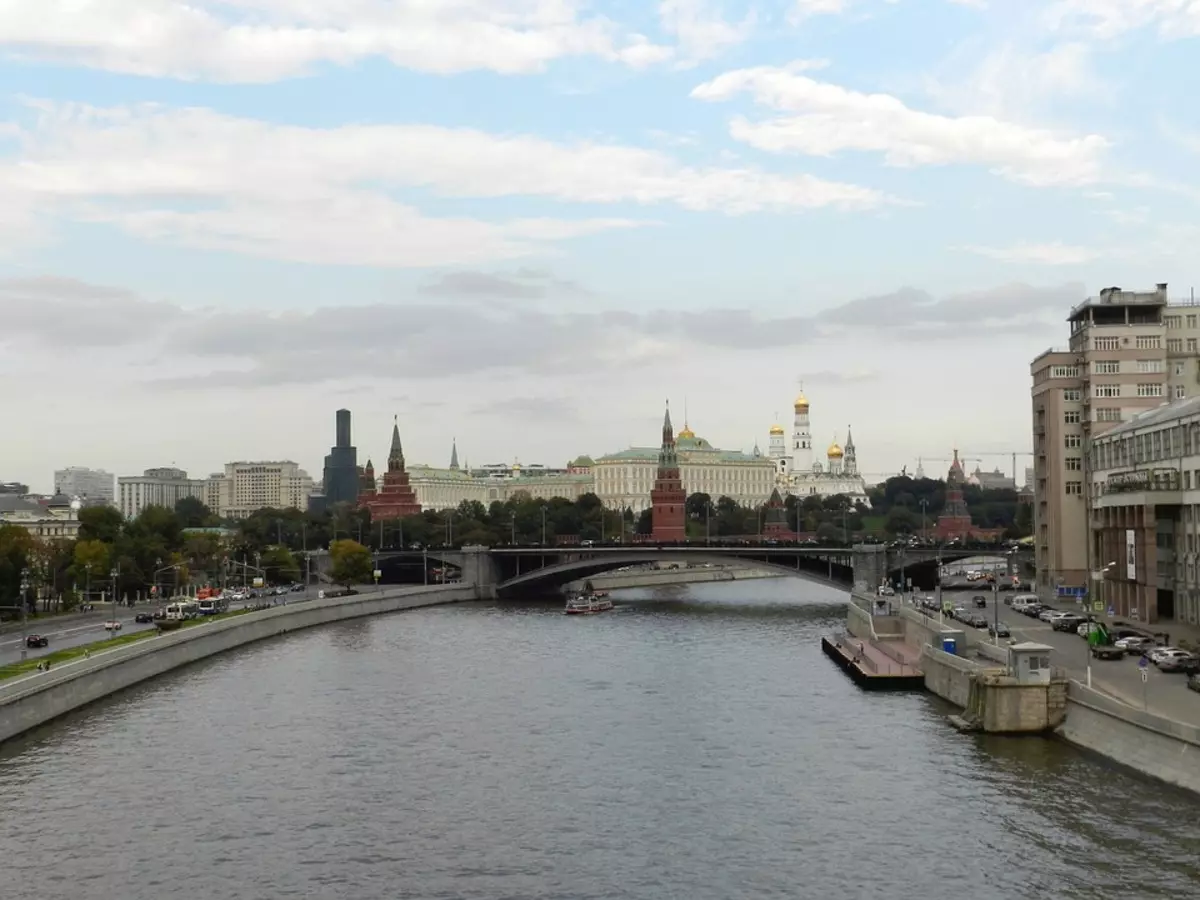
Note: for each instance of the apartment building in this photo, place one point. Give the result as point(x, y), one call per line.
point(1145, 524)
point(86, 484)
point(245, 487)
point(156, 487)
point(1128, 352)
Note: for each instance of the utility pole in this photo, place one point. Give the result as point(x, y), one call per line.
point(24, 609)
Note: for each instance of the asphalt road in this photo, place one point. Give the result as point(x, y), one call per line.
point(64, 635)
point(1164, 693)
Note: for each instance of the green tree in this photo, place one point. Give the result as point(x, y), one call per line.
point(16, 552)
point(901, 521)
point(351, 563)
point(193, 513)
point(281, 565)
point(100, 523)
point(91, 559)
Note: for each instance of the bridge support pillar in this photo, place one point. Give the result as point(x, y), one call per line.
point(479, 568)
point(870, 567)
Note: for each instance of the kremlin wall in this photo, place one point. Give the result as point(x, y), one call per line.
point(622, 480)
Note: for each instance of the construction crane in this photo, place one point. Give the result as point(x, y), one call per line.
point(963, 460)
point(1007, 454)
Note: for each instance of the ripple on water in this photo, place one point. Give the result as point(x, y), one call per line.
point(701, 747)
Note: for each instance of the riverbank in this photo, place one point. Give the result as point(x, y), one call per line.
point(31, 701)
point(641, 578)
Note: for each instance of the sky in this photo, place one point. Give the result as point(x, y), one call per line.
point(524, 225)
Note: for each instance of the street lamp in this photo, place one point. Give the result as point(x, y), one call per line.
point(924, 507)
point(24, 609)
point(512, 524)
point(1096, 577)
point(543, 526)
point(114, 575)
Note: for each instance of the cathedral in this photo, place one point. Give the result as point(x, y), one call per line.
point(798, 472)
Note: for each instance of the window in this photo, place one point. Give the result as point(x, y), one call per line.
point(1074, 464)
point(1072, 395)
point(1106, 367)
point(1191, 345)
point(1075, 488)
point(1149, 390)
point(1178, 368)
point(1180, 392)
point(1072, 417)
point(1150, 365)
point(1071, 441)
point(1149, 342)
point(1107, 343)
point(1174, 345)
point(1064, 371)
point(1191, 321)
point(1108, 390)
point(1108, 414)
point(1172, 322)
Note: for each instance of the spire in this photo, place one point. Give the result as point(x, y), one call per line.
point(667, 420)
point(666, 454)
point(849, 439)
point(396, 455)
point(454, 454)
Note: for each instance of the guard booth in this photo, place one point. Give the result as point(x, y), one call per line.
point(1029, 663)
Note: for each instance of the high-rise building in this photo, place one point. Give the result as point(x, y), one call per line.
point(246, 487)
point(341, 474)
point(156, 487)
point(86, 484)
point(668, 500)
point(1128, 351)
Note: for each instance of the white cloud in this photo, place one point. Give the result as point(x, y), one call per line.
point(827, 118)
point(325, 195)
point(267, 40)
point(805, 9)
point(1054, 253)
point(1106, 19)
point(701, 28)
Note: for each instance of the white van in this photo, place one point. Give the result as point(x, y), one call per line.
point(1020, 601)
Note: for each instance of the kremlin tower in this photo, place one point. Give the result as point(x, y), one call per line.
point(396, 499)
point(955, 519)
point(668, 499)
point(802, 453)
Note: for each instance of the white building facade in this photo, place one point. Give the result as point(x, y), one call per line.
point(246, 487)
point(438, 488)
point(56, 521)
point(156, 487)
point(86, 484)
point(797, 471)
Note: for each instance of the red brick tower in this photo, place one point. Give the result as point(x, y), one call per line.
point(775, 520)
point(668, 498)
point(366, 482)
point(955, 519)
point(396, 499)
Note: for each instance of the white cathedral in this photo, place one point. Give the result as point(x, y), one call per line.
point(800, 474)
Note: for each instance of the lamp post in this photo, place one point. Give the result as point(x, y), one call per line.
point(512, 524)
point(24, 608)
point(924, 507)
point(114, 575)
point(708, 521)
point(1096, 577)
point(543, 526)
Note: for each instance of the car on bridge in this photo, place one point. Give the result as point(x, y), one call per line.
point(34, 641)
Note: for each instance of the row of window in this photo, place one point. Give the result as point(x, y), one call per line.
point(1128, 450)
point(1141, 342)
point(1176, 322)
point(1075, 488)
point(1142, 366)
point(1114, 390)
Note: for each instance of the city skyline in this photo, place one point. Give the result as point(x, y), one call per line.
point(525, 230)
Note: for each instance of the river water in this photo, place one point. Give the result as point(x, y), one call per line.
point(693, 743)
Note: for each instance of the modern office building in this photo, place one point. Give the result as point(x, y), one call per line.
point(156, 487)
point(1128, 352)
point(1145, 522)
point(340, 481)
point(86, 484)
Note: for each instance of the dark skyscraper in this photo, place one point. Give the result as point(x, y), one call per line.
point(341, 465)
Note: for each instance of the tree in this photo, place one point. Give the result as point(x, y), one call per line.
point(280, 565)
point(351, 562)
point(91, 561)
point(193, 513)
point(100, 523)
point(901, 521)
point(16, 550)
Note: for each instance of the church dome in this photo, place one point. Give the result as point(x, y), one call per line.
point(776, 429)
point(801, 402)
point(834, 451)
point(687, 434)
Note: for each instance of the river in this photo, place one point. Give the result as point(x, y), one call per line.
point(693, 743)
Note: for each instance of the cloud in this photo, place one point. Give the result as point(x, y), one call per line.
point(524, 409)
point(523, 284)
point(1106, 19)
point(824, 119)
point(806, 9)
point(327, 195)
point(701, 29)
point(1055, 253)
point(398, 341)
point(269, 40)
point(849, 376)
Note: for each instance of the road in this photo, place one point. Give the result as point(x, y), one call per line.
point(1164, 693)
point(63, 636)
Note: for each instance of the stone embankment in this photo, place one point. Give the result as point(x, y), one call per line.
point(27, 702)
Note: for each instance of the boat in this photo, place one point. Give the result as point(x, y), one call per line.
point(587, 602)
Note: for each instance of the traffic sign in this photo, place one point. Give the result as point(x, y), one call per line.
point(1145, 676)
point(1142, 663)
point(1111, 612)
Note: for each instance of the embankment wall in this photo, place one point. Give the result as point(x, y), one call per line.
point(26, 703)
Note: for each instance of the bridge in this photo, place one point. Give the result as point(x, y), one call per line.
point(517, 571)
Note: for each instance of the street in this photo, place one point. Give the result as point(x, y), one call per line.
point(63, 636)
point(1166, 693)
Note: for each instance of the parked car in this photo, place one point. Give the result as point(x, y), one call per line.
point(1178, 661)
point(1068, 622)
point(1106, 651)
point(1046, 613)
point(1136, 643)
point(977, 621)
point(112, 625)
point(999, 629)
point(37, 640)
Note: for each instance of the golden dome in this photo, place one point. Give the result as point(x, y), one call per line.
point(834, 451)
point(777, 429)
point(801, 402)
point(687, 433)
